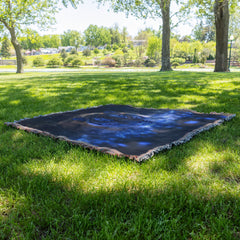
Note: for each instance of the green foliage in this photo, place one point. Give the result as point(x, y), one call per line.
point(195, 57)
point(86, 52)
point(205, 33)
point(115, 35)
point(31, 40)
point(175, 64)
point(54, 62)
point(74, 51)
point(5, 49)
point(109, 47)
point(115, 47)
point(53, 190)
point(150, 62)
point(73, 61)
point(178, 60)
point(234, 25)
point(125, 50)
point(145, 35)
point(38, 62)
point(63, 54)
point(118, 52)
point(77, 62)
point(96, 50)
point(18, 14)
point(119, 60)
point(192, 50)
point(154, 48)
point(24, 60)
point(105, 51)
point(138, 62)
point(68, 60)
point(109, 62)
point(97, 62)
point(97, 36)
point(71, 38)
point(51, 41)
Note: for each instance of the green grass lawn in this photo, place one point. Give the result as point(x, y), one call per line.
point(52, 190)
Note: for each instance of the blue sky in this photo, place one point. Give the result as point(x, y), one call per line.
point(89, 13)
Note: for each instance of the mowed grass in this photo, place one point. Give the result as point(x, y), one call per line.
point(53, 190)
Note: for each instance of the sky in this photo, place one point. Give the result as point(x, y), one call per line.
point(88, 13)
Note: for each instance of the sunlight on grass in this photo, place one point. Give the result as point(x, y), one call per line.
point(53, 190)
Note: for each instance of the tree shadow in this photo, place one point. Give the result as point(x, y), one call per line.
point(162, 198)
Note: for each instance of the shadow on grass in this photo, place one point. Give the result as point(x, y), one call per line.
point(109, 198)
point(42, 205)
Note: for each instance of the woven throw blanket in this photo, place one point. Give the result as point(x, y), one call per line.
point(122, 130)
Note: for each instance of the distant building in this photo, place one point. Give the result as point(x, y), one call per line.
point(137, 43)
point(48, 50)
point(82, 48)
point(67, 48)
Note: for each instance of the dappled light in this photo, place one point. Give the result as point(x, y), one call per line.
point(50, 188)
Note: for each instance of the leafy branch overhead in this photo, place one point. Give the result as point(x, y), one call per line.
point(17, 15)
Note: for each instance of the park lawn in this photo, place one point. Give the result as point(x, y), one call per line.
point(53, 190)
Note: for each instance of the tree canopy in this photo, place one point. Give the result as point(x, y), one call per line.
point(97, 36)
point(17, 15)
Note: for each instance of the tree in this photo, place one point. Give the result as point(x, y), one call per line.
point(31, 41)
point(115, 35)
point(154, 48)
point(51, 41)
point(15, 15)
point(221, 10)
point(205, 32)
point(144, 9)
point(124, 35)
point(144, 35)
point(234, 25)
point(97, 36)
point(5, 49)
point(72, 38)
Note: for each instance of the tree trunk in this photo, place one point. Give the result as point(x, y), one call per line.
point(221, 12)
point(17, 48)
point(165, 8)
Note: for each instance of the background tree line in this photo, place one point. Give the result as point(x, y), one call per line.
point(17, 15)
point(196, 48)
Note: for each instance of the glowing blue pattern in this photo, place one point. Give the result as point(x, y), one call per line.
point(192, 122)
point(123, 129)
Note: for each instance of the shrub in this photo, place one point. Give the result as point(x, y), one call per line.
point(109, 61)
point(97, 62)
point(76, 62)
point(175, 64)
point(138, 62)
point(74, 51)
point(178, 60)
point(115, 46)
point(105, 52)
point(109, 48)
point(63, 54)
point(125, 50)
point(126, 59)
point(203, 59)
point(119, 60)
point(86, 52)
point(68, 60)
point(150, 62)
point(54, 62)
point(24, 60)
point(96, 50)
point(118, 52)
point(38, 62)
